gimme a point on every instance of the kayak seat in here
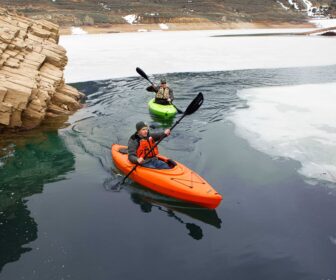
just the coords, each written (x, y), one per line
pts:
(123, 151)
(171, 163)
(162, 101)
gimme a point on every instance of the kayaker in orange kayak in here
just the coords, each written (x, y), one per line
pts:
(178, 181)
(141, 142)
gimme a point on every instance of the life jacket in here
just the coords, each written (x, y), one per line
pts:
(163, 93)
(144, 146)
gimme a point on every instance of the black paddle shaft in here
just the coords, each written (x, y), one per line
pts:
(193, 106)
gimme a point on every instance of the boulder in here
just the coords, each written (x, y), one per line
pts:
(32, 85)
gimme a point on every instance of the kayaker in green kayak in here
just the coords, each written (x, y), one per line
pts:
(141, 142)
(164, 94)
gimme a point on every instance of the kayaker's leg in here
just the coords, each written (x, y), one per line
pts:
(161, 101)
(161, 164)
(156, 164)
(149, 164)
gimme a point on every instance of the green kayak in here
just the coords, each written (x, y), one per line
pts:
(166, 111)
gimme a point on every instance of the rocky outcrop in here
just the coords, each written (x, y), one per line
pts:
(32, 86)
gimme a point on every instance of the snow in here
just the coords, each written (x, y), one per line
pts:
(297, 122)
(163, 26)
(324, 23)
(296, 7)
(282, 5)
(77, 31)
(309, 8)
(104, 6)
(130, 18)
(308, 4)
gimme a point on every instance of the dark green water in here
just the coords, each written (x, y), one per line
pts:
(59, 219)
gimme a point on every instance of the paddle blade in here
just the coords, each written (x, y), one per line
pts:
(141, 73)
(195, 231)
(113, 184)
(195, 104)
(151, 89)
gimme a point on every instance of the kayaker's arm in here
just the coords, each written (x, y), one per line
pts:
(132, 148)
(171, 95)
(158, 135)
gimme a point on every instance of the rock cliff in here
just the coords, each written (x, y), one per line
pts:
(32, 86)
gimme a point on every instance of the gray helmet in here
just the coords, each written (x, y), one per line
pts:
(163, 81)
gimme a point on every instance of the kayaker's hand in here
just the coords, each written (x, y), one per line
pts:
(169, 100)
(140, 160)
(167, 132)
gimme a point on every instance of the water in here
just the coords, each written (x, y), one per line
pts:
(60, 219)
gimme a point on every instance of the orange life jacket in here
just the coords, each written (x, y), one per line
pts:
(144, 146)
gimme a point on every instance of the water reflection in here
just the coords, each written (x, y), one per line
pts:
(161, 122)
(150, 201)
(27, 164)
(195, 231)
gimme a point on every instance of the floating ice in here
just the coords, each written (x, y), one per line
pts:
(296, 122)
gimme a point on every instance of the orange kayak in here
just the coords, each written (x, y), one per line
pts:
(179, 182)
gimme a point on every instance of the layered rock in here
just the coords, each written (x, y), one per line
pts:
(32, 85)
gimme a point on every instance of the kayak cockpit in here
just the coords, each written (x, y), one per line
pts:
(169, 161)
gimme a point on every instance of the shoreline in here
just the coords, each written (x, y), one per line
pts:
(127, 28)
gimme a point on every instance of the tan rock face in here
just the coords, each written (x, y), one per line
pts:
(32, 86)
